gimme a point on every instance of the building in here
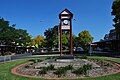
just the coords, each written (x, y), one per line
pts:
(112, 35)
(111, 41)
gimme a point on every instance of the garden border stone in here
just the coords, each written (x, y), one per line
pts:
(14, 71)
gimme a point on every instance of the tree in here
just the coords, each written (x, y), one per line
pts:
(38, 40)
(22, 37)
(75, 41)
(51, 37)
(84, 37)
(8, 34)
(65, 40)
(116, 13)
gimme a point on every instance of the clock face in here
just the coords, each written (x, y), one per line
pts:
(65, 22)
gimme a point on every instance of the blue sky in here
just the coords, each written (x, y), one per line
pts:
(36, 16)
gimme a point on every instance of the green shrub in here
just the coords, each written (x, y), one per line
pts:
(43, 71)
(86, 67)
(83, 57)
(101, 62)
(48, 58)
(78, 71)
(83, 69)
(26, 65)
(50, 67)
(69, 67)
(7, 53)
(61, 71)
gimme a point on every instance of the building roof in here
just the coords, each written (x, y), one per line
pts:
(65, 12)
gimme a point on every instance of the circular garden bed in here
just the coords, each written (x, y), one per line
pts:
(76, 68)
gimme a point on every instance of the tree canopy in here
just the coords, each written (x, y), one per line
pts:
(9, 35)
(84, 37)
(116, 13)
(51, 36)
(39, 40)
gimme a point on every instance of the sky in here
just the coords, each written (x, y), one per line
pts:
(36, 16)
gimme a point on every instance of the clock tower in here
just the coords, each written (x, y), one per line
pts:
(66, 24)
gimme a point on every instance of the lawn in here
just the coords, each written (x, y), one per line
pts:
(5, 71)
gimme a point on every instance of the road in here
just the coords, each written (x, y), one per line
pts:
(29, 55)
(23, 56)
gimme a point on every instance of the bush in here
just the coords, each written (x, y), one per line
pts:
(43, 71)
(83, 69)
(86, 67)
(49, 58)
(26, 65)
(7, 53)
(69, 67)
(61, 71)
(83, 57)
(50, 67)
(78, 71)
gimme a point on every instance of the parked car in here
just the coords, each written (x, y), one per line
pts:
(79, 49)
(55, 49)
(98, 49)
(106, 49)
(43, 50)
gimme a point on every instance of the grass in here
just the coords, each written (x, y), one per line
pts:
(5, 71)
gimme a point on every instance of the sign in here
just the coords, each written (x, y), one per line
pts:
(36, 45)
(65, 27)
(93, 44)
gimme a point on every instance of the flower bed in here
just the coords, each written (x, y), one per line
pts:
(79, 69)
